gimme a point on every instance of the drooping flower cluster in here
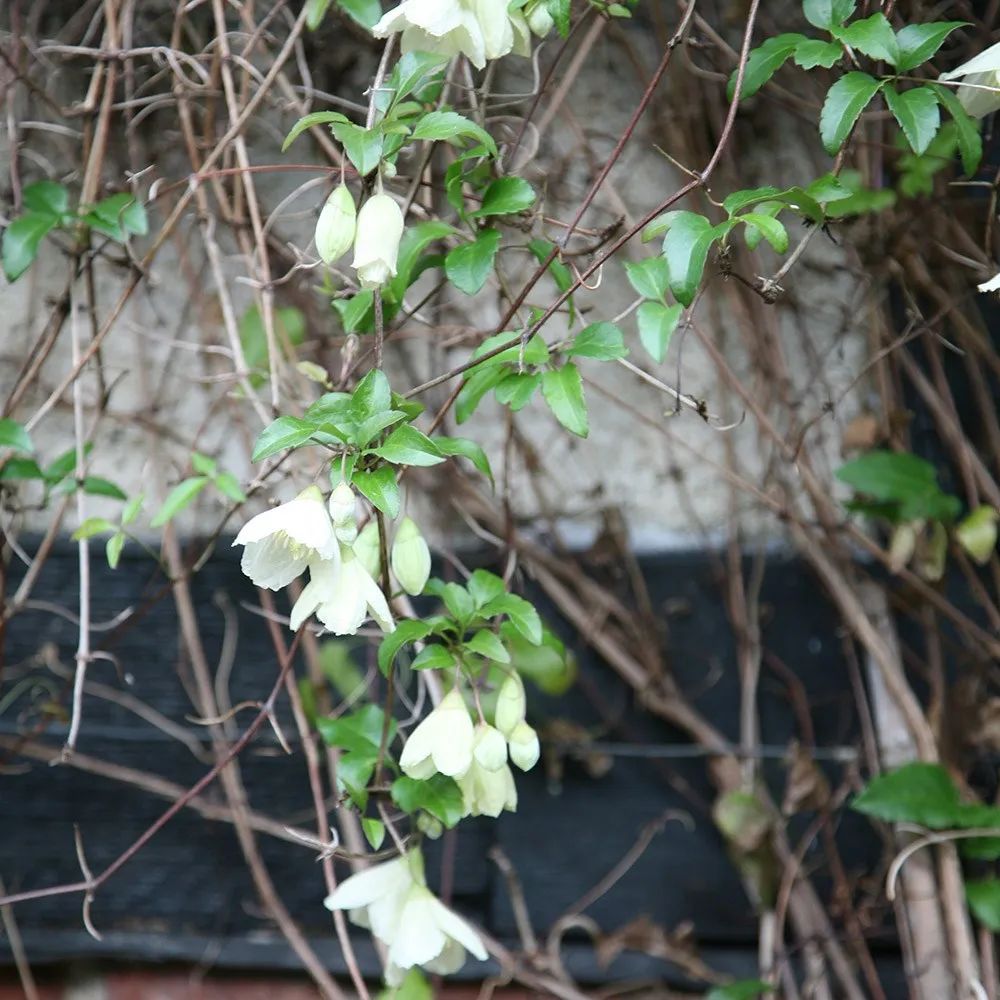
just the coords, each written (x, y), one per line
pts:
(306, 533)
(478, 29)
(446, 742)
(375, 233)
(393, 900)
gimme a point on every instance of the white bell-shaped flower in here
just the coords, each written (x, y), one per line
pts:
(524, 747)
(442, 743)
(279, 543)
(367, 549)
(337, 225)
(487, 792)
(343, 505)
(342, 594)
(489, 747)
(393, 900)
(538, 18)
(444, 27)
(410, 558)
(980, 76)
(511, 704)
(376, 245)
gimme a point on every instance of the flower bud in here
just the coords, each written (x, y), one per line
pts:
(524, 748)
(366, 549)
(489, 747)
(429, 826)
(337, 225)
(342, 505)
(376, 246)
(977, 534)
(410, 558)
(902, 546)
(511, 704)
(539, 19)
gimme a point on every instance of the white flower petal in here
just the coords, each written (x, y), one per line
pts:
(451, 959)
(370, 884)
(458, 930)
(993, 285)
(987, 61)
(271, 564)
(418, 937)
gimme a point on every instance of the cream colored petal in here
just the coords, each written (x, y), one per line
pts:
(987, 61)
(993, 285)
(489, 748)
(458, 930)
(271, 564)
(369, 885)
(418, 937)
(494, 23)
(451, 959)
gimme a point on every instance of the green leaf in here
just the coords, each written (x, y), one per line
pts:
(315, 12)
(970, 142)
(363, 146)
(657, 323)
(601, 341)
(903, 479)
(372, 426)
(464, 448)
(484, 586)
(918, 42)
(113, 549)
(827, 14)
(371, 395)
(354, 771)
(366, 12)
(47, 197)
(517, 389)
(521, 613)
(308, 121)
(285, 432)
(563, 391)
(469, 265)
(13, 435)
(227, 484)
(456, 599)
(408, 446)
(131, 510)
(374, 831)
(873, 36)
(381, 489)
(534, 352)
(360, 731)
(486, 643)
(745, 989)
(560, 12)
(451, 125)
(763, 63)
(20, 468)
(433, 657)
(98, 487)
(357, 312)
(413, 987)
(828, 188)
(548, 665)
(118, 216)
(738, 200)
(649, 277)
(93, 526)
(439, 795)
(845, 101)
(406, 631)
(771, 229)
(289, 323)
(179, 497)
(415, 241)
(917, 112)
(202, 464)
(476, 385)
(412, 69)
(915, 793)
(984, 901)
(20, 242)
(506, 196)
(65, 464)
(813, 52)
(686, 247)
(541, 249)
